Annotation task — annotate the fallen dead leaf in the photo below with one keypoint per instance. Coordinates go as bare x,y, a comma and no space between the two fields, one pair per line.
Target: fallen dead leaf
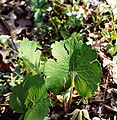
5,65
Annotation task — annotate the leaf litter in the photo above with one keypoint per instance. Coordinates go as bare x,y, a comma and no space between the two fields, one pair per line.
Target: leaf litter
102,105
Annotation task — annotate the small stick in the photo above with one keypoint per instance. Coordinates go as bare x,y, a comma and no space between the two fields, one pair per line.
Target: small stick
110,108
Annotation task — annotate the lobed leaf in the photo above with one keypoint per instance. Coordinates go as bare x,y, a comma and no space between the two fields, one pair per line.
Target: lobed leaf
30,55
38,111
17,99
31,95
73,56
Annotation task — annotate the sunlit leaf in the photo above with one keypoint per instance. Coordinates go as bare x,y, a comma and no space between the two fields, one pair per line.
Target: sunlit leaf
73,56
30,55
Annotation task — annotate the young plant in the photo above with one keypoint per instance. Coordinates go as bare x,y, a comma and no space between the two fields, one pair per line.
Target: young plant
79,114
74,63
30,97
30,55
112,37
60,17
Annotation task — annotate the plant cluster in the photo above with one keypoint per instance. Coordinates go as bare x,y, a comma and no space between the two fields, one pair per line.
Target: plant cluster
65,17
60,17
73,63
69,25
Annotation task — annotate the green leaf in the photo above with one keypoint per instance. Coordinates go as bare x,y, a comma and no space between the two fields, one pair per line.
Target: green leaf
106,34
80,115
63,34
45,7
35,93
37,14
15,104
38,111
73,56
71,21
58,72
113,49
30,55
113,35
17,98
75,114
31,95
38,107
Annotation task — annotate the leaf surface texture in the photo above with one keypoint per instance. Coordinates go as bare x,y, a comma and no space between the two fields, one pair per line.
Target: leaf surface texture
73,56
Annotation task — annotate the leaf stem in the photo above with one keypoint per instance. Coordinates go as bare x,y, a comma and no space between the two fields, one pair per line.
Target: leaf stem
73,74
5,104
53,22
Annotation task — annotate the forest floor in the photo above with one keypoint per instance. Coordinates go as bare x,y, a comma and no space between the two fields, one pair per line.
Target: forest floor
19,23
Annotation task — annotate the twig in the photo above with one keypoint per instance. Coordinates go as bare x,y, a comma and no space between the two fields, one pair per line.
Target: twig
61,3
110,108
5,104
59,6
